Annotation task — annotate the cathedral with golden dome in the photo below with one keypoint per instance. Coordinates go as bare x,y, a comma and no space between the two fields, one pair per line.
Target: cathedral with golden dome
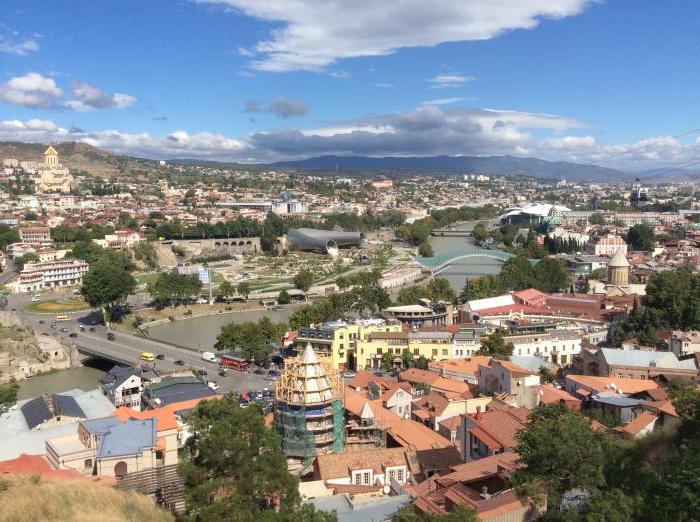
52,176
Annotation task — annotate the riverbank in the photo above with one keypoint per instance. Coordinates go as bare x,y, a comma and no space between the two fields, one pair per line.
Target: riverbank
200,332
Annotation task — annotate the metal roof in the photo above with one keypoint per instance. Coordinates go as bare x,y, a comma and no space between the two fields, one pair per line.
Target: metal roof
67,405
36,412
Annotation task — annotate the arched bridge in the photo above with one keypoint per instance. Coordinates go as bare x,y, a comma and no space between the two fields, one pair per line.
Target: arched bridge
440,262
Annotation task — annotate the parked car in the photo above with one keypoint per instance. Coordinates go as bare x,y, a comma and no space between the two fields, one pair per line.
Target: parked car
42,321
160,356
201,372
110,336
223,373
273,373
213,385
64,330
259,371
73,334
92,329
180,362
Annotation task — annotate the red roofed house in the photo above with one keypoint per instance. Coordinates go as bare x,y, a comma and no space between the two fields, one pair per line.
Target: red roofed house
491,432
482,485
505,377
548,394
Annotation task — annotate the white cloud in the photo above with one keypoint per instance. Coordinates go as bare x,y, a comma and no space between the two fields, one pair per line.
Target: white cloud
31,90
90,98
11,42
443,101
425,131
312,35
442,81
340,74
384,85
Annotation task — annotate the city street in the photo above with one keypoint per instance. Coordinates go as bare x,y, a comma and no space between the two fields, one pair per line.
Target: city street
129,347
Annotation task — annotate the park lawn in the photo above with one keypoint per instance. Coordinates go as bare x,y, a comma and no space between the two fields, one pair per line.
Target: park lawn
56,306
146,278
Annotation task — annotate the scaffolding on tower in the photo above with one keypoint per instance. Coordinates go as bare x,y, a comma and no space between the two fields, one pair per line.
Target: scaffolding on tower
309,416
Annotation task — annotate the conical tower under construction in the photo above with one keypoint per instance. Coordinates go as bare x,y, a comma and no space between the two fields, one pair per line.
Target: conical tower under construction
309,407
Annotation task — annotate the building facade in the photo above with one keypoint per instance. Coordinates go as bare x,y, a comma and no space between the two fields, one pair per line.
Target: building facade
53,274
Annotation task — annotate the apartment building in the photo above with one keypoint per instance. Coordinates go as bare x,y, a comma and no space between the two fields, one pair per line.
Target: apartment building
556,346
36,236
51,274
339,340
431,345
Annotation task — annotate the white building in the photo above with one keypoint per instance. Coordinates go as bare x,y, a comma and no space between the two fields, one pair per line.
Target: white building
608,245
556,346
51,274
568,235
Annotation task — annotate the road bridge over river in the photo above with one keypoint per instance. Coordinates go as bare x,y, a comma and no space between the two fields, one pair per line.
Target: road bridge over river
441,262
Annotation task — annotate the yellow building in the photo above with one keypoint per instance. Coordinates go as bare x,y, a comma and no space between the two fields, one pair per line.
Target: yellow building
339,340
434,346
52,176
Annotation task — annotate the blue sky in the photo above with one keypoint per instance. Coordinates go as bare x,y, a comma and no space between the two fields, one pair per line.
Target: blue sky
254,80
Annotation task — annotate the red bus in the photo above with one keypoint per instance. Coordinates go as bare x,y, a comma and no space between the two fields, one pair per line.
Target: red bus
233,362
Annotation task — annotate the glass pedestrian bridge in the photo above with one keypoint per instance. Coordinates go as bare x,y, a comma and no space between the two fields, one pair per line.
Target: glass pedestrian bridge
440,262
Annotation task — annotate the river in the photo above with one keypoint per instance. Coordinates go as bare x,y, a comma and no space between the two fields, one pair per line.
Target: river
201,332
85,377
457,273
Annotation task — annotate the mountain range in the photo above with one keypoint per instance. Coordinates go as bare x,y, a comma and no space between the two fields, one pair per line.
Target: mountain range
99,162
494,165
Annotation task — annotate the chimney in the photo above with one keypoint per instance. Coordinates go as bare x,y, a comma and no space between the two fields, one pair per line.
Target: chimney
478,413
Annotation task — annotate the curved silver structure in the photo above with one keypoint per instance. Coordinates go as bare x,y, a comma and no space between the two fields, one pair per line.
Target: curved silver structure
326,241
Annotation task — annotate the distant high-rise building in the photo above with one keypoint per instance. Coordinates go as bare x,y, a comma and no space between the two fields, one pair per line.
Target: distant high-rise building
639,195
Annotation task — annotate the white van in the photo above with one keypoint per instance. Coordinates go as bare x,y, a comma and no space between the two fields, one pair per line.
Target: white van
209,356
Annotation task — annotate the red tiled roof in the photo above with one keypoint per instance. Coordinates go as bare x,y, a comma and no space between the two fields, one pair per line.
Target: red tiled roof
487,439
639,423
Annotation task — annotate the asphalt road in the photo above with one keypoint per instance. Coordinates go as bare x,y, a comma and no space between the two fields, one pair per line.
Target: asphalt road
129,347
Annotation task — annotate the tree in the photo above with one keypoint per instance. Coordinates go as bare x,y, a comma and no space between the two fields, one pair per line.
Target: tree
284,298
87,251
479,233
29,257
425,250
30,216
8,394
516,274
495,346
255,341
641,237
421,363
233,465
597,219
409,295
105,285
226,289
303,280
244,288
550,275
406,358
387,362
479,288
559,452
8,236
439,289
546,375
171,287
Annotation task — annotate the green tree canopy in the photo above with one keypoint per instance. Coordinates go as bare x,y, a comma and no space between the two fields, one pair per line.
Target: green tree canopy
641,237
29,257
171,287
496,346
425,250
255,341
234,468
303,280
106,284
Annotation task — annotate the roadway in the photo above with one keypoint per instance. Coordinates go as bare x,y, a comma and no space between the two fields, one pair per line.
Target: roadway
126,348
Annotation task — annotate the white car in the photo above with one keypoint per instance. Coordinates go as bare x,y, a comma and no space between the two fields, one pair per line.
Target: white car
213,385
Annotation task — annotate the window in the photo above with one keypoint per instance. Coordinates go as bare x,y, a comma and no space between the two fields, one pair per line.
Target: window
444,352
434,352
88,464
358,479
379,351
399,475
416,351
365,478
392,475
